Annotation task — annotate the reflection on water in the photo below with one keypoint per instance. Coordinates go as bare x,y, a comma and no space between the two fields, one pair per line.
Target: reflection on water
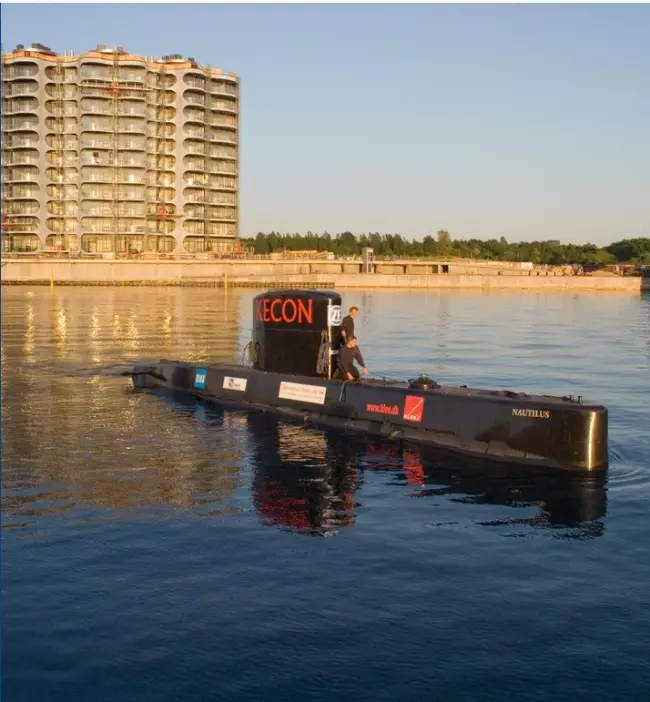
72,437
299,481
306,479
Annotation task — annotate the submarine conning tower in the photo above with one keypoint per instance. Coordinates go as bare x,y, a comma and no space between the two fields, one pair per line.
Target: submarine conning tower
296,332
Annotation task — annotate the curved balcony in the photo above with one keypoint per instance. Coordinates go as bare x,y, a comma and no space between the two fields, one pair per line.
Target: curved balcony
131,127
195,81
20,69
224,121
63,192
160,193
131,144
222,182
161,146
62,242
21,87
90,192
227,106
67,108
88,142
96,106
20,174
62,125
166,97
17,191
97,225
97,174
216,167
221,136
161,163
222,88
194,98
58,74
62,225
27,123
229,199
132,109
67,142
194,163
22,208
66,158
160,209
95,71
223,152
193,132
62,208
194,114
15,106
194,146
97,207
164,226
161,114
165,179
62,175
66,91
130,192
28,141
157,80
97,124
18,224
21,157
132,74
195,179
161,130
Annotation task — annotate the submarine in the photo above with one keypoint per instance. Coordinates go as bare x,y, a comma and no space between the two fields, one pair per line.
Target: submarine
292,372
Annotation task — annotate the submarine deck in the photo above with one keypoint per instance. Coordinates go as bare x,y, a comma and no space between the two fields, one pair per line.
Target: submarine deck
392,383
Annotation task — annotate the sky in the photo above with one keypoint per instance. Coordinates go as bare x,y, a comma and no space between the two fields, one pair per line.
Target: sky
524,121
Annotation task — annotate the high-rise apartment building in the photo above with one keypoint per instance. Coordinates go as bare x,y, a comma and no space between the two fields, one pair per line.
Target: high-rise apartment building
112,152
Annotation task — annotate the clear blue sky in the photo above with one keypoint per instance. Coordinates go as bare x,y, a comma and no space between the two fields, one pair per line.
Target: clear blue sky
525,121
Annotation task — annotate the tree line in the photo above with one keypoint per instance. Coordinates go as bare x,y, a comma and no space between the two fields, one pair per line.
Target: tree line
393,245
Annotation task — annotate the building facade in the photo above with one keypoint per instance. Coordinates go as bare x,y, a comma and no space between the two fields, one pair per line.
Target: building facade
109,152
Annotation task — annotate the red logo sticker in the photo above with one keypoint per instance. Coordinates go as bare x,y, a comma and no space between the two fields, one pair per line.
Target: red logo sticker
413,408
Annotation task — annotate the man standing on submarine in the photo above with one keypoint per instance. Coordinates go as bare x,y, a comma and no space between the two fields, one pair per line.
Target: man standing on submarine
347,325
348,354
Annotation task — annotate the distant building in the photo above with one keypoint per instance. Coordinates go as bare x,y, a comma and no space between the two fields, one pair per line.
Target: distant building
113,152
554,242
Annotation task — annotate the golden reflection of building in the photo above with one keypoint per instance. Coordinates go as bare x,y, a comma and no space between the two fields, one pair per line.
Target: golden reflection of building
68,421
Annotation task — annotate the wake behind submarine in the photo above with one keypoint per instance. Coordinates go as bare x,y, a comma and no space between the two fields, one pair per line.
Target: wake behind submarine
292,373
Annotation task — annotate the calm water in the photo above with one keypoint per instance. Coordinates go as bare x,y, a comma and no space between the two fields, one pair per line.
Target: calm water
159,550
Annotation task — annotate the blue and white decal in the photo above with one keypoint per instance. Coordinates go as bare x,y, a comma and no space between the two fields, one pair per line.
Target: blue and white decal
200,378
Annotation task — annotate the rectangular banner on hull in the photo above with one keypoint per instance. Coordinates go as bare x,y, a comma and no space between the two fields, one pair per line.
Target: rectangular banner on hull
235,383
302,392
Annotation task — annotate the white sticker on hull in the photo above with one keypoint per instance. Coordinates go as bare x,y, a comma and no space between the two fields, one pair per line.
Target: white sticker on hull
303,393
334,316
235,383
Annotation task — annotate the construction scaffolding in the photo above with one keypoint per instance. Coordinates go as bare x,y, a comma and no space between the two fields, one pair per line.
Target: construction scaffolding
157,205
160,207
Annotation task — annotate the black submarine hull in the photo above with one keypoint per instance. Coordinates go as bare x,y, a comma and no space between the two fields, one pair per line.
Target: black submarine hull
511,427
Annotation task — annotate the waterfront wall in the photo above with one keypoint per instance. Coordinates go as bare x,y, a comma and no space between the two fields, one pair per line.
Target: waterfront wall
285,274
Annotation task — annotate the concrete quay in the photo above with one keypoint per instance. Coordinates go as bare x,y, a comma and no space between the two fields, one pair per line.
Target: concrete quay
273,274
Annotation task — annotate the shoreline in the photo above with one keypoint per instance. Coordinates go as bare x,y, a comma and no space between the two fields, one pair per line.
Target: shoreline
244,274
